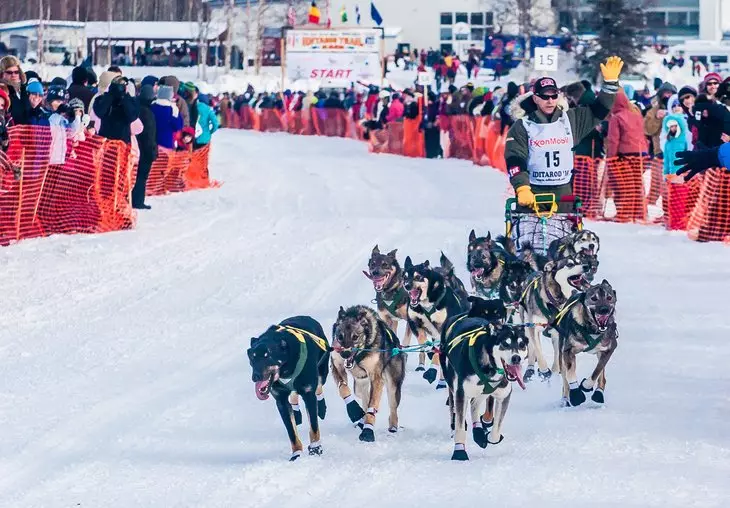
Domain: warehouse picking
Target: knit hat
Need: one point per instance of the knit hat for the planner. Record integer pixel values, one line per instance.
(149, 80)
(712, 76)
(59, 82)
(147, 93)
(165, 92)
(188, 131)
(105, 80)
(665, 88)
(31, 75)
(687, 90)
(76, 103)
(79, 76)
(56, 93)
(34, 87)
(188, 87)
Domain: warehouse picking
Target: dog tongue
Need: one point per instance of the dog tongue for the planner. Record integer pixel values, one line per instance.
(379, 283)
(261, 387)
(414, 294)
(478, 272)
(515, 371)
(602, 319)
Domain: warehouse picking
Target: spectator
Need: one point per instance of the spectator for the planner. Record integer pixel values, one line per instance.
(675, 138)
(656, 114)
(625, 129)
(167, 117)
(37, 115)
(711, 84)
(147, 141)
(503, 110)
(11, 72)
(202, 118)
(396, 109)
(5, 120)
(185, 140)
(115, 111)
(104, 81)
(182, 105)
(711, 118)
(79, 87)
(153, 81)
(687, 96)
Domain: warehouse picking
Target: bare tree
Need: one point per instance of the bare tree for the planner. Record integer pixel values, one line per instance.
(230, 14)
(41, 30)
(203, 29)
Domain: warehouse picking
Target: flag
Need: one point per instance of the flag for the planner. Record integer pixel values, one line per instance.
(357, 13)
(314, 14)
(375, 14)
(343, 14)
(292, 16)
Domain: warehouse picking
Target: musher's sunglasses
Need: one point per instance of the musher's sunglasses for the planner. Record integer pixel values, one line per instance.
(547, 97)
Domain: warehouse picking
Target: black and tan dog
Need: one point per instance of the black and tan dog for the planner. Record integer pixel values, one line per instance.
(292, 357)
(485, 262)
(543, 299)
(582, 242)
(447, 271)
(391, 298)
(363, 346)
(587, 324)
(432, 302)
(480, 359)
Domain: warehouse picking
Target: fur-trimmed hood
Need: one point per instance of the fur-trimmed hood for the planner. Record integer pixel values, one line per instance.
(524, 105)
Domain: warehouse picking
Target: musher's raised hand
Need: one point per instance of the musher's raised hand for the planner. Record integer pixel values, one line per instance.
(612, 68)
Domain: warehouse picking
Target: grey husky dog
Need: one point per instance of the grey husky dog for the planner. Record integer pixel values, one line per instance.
(363, 346)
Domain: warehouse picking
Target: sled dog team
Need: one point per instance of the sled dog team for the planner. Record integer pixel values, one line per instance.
(474, 345)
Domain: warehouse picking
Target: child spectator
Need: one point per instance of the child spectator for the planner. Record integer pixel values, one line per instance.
(185, 140)
(675, 138)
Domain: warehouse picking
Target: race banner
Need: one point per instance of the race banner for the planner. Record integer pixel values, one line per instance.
(333, 55)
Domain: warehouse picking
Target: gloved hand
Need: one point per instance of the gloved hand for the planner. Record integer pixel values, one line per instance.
(612, 68)
(525, 196)
(696, 162)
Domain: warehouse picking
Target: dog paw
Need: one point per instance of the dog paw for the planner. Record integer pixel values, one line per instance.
(486, 424)
(529, 373)
(297, 416)
(441, 384)
(597, 396)
(459, 455)
(577, 397)
(354, 411)
(367, 435)
(480, 436)
(544, 376)
(501, 438)
(430, 375)
(321, 409)
(315, 449)
(295, 455)
(420, 368)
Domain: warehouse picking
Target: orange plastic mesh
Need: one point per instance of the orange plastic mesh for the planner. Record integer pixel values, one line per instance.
(461, 137)
(388, 140)
(709, 220)
(625, 187)
(178, 171)
(679, 198)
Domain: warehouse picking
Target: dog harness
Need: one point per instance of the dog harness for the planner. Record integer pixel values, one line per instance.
(471, 336)
(550, 151)
(592, 339)
(400, 297)
(430, 312)
(301, 336)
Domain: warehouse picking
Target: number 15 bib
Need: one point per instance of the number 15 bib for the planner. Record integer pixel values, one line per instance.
(550, 160)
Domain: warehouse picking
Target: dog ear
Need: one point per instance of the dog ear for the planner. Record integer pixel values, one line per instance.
(489, 236)
(376, 250)
(549, 267)
(446, 263)
(408, 263)
(472, 236)
(392, 253)
(427, 264)
(341, 313)
(255, 340)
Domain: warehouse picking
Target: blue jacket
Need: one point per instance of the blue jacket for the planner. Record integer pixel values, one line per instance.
(679, 143)
(206, 125)
(724, 155)
(168, 121)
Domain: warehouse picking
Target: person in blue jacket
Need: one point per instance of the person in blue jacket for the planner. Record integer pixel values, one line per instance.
(202, 116)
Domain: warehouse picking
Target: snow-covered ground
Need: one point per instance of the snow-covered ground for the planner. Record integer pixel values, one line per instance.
(125, 381)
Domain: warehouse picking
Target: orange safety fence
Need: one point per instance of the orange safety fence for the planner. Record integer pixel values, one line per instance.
(50, 184)
(618, 189)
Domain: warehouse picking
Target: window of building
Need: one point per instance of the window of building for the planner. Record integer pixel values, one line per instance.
(477, 34)
(656, 19)
(565, 18)
(447, 34)
(694, 18)
(462, 37)
(449, 48)
(677, 19)
(490, 19)
(447, 18)
(718, 58)
(477, 18)
(462, 17)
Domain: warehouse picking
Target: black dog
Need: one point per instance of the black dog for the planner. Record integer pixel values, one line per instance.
(292, 357)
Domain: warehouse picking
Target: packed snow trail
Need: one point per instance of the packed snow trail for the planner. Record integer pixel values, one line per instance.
(125, 380)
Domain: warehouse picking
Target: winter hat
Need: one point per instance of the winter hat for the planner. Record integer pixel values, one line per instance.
(188, 87)
(165, 92)
(385, 94)
(31, 75)
(34, 87)
(59, 82)
(149, 80)
(172, 81)
(687, 90)
(673, 102)
(712, 76)
(76, 103)
(105, 80)
(56, 93)
(147, 93)
(544, 85)
(93, 79)
(666, 87)
(79, 76)
(188, 131)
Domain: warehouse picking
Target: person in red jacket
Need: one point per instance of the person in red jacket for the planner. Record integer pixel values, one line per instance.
(625, 129)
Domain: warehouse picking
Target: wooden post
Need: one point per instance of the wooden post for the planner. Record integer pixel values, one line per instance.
(20, 195)
(382, 58)
(283, 59)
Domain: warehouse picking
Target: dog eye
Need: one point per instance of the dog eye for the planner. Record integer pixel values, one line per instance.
(417, 277)
(609, 298)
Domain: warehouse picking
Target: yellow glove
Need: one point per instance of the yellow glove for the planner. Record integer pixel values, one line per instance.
(612, 68)
(525, 197)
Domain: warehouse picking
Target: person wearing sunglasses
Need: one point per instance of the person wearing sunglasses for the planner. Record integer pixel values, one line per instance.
(711, 84)
(539, 148)
(13, 75)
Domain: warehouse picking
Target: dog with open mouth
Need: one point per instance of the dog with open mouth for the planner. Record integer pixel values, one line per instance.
(391, 298)
(582, 242)
(290, 358)
(431, 303)
(363, 345)
(542, 300)
(481, 359)
(587, 324)
(485, 262)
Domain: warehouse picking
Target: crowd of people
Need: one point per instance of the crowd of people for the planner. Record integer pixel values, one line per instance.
(153, 113)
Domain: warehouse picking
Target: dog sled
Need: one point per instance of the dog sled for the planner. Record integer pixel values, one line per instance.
(544, 223)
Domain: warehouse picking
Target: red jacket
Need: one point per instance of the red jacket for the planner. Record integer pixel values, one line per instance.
(625, 129)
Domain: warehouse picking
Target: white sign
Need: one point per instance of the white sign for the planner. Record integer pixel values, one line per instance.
(462, 29)
(342, 56)
(546, 59)
(424, 78)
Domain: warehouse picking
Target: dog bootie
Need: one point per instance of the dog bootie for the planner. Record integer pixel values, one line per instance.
(486, 424)
(430, 375)
(480, 436)
(297, 414)
(544, 376)
(295, 455)
(354, 411)
(577, 395)
(367, 435)
(529, 373)
(321, 407)
(441, 384)
(597, 396)
(421, 367)
(315, 448)
(501, 438)
(459, 453)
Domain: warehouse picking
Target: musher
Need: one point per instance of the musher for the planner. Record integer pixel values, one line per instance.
(539, 148)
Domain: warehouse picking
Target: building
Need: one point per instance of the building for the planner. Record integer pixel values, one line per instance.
(62, 40)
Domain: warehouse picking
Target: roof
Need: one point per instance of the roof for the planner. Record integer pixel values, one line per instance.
(33, 23)
(150, 30)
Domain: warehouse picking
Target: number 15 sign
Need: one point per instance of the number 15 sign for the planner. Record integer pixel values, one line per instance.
(546, 59)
